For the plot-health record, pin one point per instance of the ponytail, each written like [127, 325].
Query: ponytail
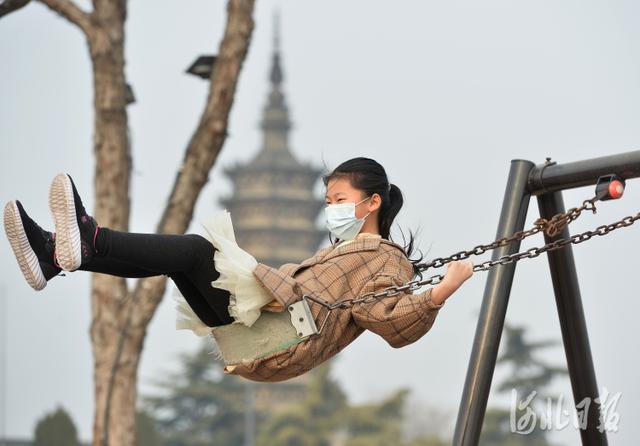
[387, 215]
[390, 209]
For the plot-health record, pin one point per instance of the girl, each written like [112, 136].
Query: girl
[222, 284]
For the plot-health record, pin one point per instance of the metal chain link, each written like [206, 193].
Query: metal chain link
[552, 227]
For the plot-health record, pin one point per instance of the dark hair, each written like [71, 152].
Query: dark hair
[370, 177]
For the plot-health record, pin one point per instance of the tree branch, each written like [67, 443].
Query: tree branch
[208, 139]
[8, 6]
[71, 12]
[204, 146]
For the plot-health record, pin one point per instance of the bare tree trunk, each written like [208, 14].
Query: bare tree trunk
[119, 316]
[115, 389]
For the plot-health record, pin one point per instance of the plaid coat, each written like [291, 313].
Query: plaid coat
[348, 270]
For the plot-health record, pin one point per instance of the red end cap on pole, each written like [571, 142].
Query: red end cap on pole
[616, 189]
[610, 187]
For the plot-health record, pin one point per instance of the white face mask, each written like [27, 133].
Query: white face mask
[342, 221]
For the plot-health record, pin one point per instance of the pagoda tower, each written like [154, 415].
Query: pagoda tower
[274, 212]
[272, 204]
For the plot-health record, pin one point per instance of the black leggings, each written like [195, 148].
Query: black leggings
[187, 259]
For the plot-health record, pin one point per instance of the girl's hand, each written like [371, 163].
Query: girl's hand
[457, 273]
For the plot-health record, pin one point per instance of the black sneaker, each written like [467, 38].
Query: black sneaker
[76, 230]
[33, 247]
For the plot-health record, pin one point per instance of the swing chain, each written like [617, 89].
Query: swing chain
[551, 226]
[557, 224]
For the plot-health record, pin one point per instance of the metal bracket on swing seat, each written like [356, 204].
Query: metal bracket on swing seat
[302, 318]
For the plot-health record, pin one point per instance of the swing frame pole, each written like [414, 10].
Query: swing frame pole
[493, 310]
[546, 181]
[572, 324]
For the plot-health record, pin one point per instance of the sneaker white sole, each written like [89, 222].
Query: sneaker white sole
[63, 210]
[27, 258]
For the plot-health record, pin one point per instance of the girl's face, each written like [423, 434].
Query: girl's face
[340, 190]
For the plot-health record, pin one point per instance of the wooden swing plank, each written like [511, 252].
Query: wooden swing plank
[271, 332]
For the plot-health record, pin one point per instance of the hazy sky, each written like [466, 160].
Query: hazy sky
[443, 94]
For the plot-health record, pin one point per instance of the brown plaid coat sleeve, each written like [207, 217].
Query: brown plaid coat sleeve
[400, 320]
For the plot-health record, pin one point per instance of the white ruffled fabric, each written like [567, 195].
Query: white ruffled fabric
[236, 268]
[186, 319]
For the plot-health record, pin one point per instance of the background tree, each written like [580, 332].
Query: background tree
[314, 421]
[56, 429]
[428, 440]
[325, 414]
[199, 405]
[120, 315]
[146, 432]
[496, 431]
[291, 427]
[527, 374]
[379, 423]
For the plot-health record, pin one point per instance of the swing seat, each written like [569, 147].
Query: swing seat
[271, 332]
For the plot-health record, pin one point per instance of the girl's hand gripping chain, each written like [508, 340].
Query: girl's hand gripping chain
[457, 273]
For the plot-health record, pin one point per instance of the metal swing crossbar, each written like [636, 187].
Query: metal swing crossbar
[275, 331]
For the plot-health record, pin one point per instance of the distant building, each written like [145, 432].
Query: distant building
[272, 204]
[274, 210]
